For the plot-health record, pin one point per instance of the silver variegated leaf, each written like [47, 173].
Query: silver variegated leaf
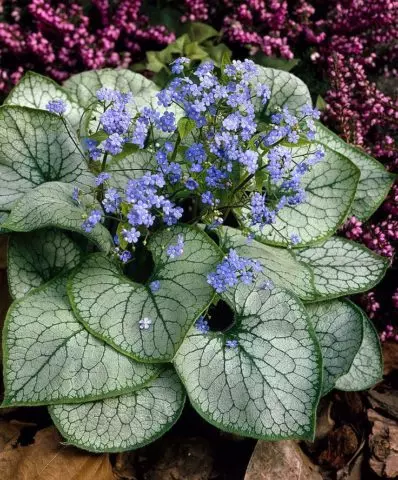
[51, 358]
[111, 306]
[51, 205]
[36, 257]
[338, 327]
[83, 87]
[35, 148]
[279, 265]
[342, 267]
[126, 422]
[286, 90]
[367, 367]
[330, 189]
[132, 166]
[375, 182]
[268, 386]
[35, 91]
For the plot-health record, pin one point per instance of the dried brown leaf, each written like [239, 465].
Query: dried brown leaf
[48, 459]
[383, 444]
[280, 461]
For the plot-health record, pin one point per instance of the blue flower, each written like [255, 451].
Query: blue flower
[196, 153]
[140, 132]
[145, 323]
[114, 144]
[214, 177]
[207, 198]
[75, 194]
[154, 286]
[178, 65]
[131, 236]
[57, 106]
[166, 122]
[191, 184]
[232, 270]
[93, 151]
[174, 251]
[202, 325]
[101, 178]
[125, 256]
[92, 220]
[263, 92]
[231, 343]
[111, 201]
[106, 94]
[295, 239]
[115, 120]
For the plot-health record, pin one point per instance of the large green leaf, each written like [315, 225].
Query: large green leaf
[338, 327]
[279, 264]
[269, 385]
[51, 358]
[36, 257]
[126, 422]
[83, 87]
[51, 205]
[375, 181]
[330, 189]
[367, 367]
[35, 148]
[286, 90]
[342, 267]
[111, 306]
[35, 91]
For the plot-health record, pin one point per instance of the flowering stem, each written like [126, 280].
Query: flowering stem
[71, 137]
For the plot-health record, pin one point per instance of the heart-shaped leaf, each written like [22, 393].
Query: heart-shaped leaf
[268, 385]
[35, 147]
[35, 91]
[286, 90]
[51, 358]
[111, 306]
[342, 267]
[375, 182]
[51, 205]
[330, 189]
[279, 264]
[126, 422]
[367, 367]
[338, 327]
[82, 87]
[36, 257]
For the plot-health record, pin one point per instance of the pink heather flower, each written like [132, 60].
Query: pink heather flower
[60, 38]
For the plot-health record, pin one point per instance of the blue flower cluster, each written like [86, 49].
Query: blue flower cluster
[227, 160]
[284, 185]
[57, 106]
[226, 108]
[174, 251]
[233, 269]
